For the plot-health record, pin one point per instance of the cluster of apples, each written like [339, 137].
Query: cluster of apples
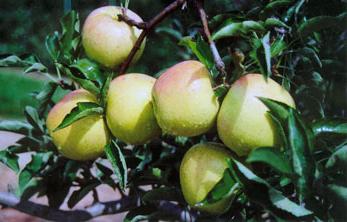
[181, 102]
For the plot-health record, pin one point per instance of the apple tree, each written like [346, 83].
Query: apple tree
[249, 125]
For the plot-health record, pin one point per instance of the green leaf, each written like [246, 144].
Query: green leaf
[70, 170]
[335, 126]
[30, 180]
[104, 174]
[280, 130]
[202, 51]
[337, 195]
[259, 191]
[231, 28]
[293, 10]
[278, 109]
[226, 189]
[319, 23]
[90, 70]
[12, 61]
[78, 195]
[338, 161]
[104, 89]
[45, 96]
[266, 51]
[29, 62]
[70, 33]
[271, 22]
[273, 5]
[33, 118]
[277, 47]
[53, 46]
[300, 145]
[170, 32]
[261, 53]
[221, 91]
[36, 67]
[272, 157]
[311, 55]
[10, 160]
[115, 156]
[83, 109]
[83, 82]
[163, 193]
[15, 126]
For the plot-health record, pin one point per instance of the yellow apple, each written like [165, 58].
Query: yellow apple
[243, 123]
[106, 39]
[201, 169]
[82, 140]
[184, 101]
[129, 111]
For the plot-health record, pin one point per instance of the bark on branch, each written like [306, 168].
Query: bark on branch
[217, 58]
[97, 209]
[147, 27]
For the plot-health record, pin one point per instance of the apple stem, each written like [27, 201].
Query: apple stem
[146, 27]
[217, 58]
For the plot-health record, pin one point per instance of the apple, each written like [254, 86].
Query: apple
[243, 123]
[106, 39]
[201, 169]
[184, 101]
[84, 139]
[129, 112]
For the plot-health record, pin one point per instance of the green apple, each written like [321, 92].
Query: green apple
[84, 139]
[201, 169]
[184, 101]
[129, 111]
[243, 123]
[106, 39]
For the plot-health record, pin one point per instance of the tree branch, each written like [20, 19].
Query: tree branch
[123, 17]
[97, 209]
[147, 27]
[217, 58]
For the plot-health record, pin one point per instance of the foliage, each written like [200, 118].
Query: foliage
[291, 41]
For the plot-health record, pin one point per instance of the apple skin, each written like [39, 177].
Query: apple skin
[184, 101]
[107, 40]
[201, 169]
[84, 139]
[243, 123]
[129, 111]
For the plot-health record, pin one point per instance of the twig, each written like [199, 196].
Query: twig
[146, 30]
[131, 22]
[65, 85]
[217, 58]
[97, 209]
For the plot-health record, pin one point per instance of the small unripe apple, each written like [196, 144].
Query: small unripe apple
[129, 112]
[201, 169]
[243, 123]
[106, 39]
[84, 139]
[184, 101]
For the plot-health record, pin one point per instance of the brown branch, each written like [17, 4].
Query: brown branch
[217, 58]
[147, 28]
[123, 17]
[65, 85]
[97, 209]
